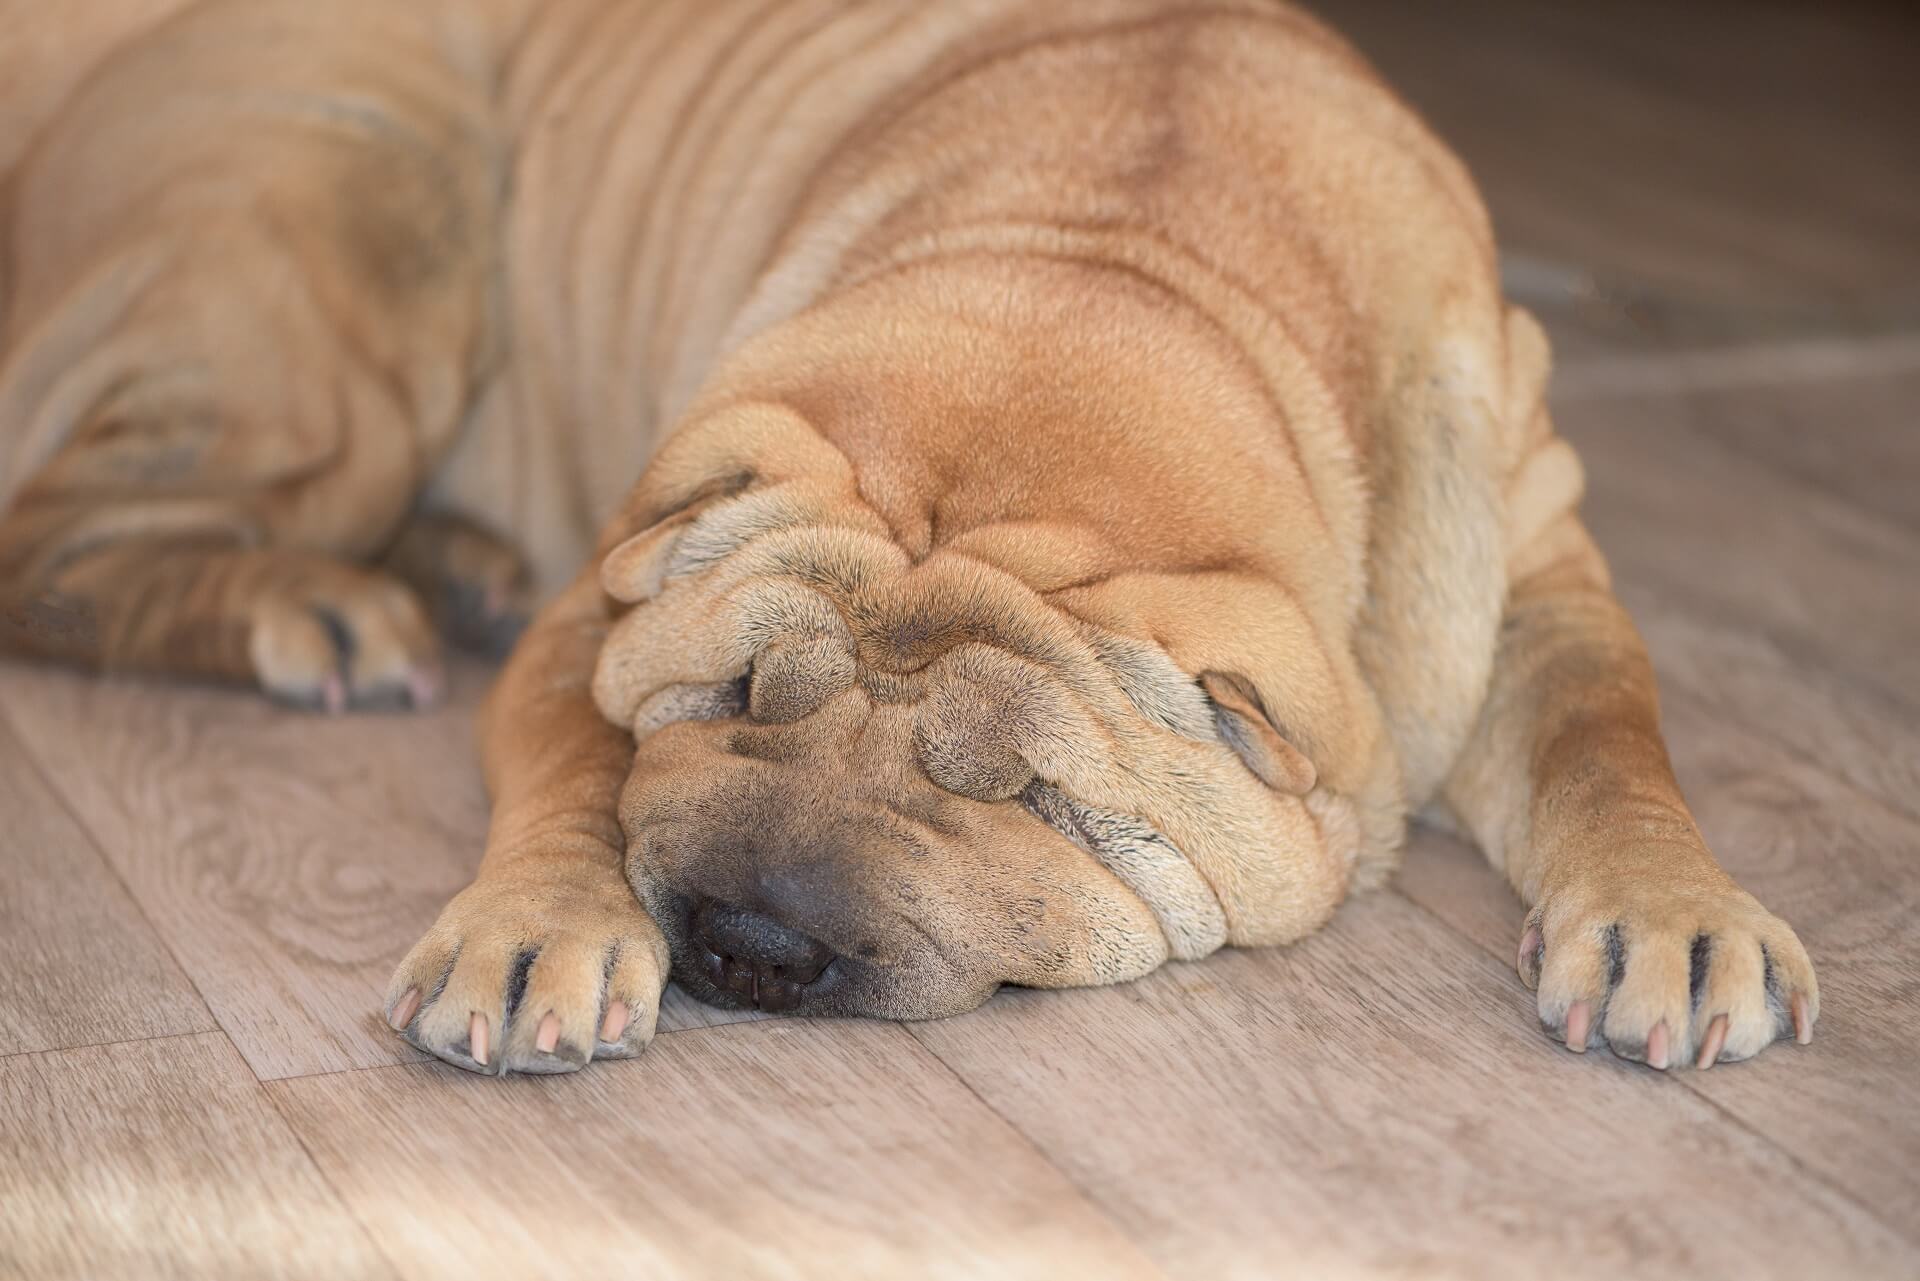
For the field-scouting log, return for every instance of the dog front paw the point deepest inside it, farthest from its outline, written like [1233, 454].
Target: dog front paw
[1667, 972]
[533, 969]
[332, 636]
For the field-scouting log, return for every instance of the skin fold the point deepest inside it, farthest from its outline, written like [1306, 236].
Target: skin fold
[1091, 492]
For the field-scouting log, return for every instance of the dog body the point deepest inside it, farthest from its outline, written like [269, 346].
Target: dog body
[1103, 492]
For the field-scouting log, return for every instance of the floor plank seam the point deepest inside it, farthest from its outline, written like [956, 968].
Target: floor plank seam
[1080, 1190]
[1736, 366]
[1683, 1079]
[66, 803]
[326, 1181]
[126, 1040]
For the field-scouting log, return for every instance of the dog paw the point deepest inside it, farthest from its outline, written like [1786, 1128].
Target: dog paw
[533, 971]
[1667, 976]
[478, 588]
[330, 636]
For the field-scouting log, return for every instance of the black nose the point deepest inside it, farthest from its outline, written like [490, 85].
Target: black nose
[755, 957]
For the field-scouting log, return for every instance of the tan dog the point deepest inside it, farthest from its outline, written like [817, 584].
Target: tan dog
[1106, 494]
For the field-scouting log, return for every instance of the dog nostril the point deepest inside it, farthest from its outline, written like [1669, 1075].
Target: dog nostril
[755, 957]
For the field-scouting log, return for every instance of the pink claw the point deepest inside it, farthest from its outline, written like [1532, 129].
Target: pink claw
[1579, 1019]
[548, 1039]
[1657, 1047]
[1714, 1042]
[615, 1024]
[403, 1012]
[1802, 1019]
[477, 1037]
[424, 686]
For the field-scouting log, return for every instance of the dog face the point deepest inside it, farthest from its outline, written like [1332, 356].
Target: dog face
[868, 784]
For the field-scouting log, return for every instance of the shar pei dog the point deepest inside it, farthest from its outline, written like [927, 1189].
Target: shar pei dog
[998, 492]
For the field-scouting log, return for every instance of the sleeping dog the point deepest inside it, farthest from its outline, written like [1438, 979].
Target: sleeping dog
[1091, 492]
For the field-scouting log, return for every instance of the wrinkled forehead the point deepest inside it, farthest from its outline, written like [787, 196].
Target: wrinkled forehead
[809, 590]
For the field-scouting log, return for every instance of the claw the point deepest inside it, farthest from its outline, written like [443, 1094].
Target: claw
[424, 687]
[477, 1037]
[1802, 1019]
[615, 1023]
[548, 1039]
[402, 1013]
[1579, 1019]
[1527, 962]
[1657, 1047]
[1712, 1043]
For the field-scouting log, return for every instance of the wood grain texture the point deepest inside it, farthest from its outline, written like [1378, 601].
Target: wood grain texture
[1849, 1105]
[78, 963]
[1377, 1101]
[289, 860]
[781, 1149]
[1696, 518]
[161, 1159]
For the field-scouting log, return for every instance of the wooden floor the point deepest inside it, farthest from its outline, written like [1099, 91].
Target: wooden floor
[1717, 209]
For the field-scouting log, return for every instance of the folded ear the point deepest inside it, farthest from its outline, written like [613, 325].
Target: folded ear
[718, 455]
[635, 570]
[1246, 727]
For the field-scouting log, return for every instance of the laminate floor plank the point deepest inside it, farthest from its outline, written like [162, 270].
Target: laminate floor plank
[1679, 504]
[1858, 442]
[779, 1149]
[288, 860]
[1711, 150]
[161, 1159]
[1839, 866]
[1378, 1101]
[78, 963]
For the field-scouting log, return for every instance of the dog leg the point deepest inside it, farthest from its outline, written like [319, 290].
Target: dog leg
[1636, 936]
[547, 960]
[311, 630]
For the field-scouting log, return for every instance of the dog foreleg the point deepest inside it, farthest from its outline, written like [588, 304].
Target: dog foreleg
[1635, 932]
[547, 960]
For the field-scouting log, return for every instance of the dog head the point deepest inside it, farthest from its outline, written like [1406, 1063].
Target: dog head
[873, 783]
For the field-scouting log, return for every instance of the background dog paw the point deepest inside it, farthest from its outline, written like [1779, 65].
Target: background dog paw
[533, 970]
[331, 636]
[477, 586]
[1667, 975]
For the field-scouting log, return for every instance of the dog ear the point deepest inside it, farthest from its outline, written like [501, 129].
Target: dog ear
[634, 569]
[1246, 727]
